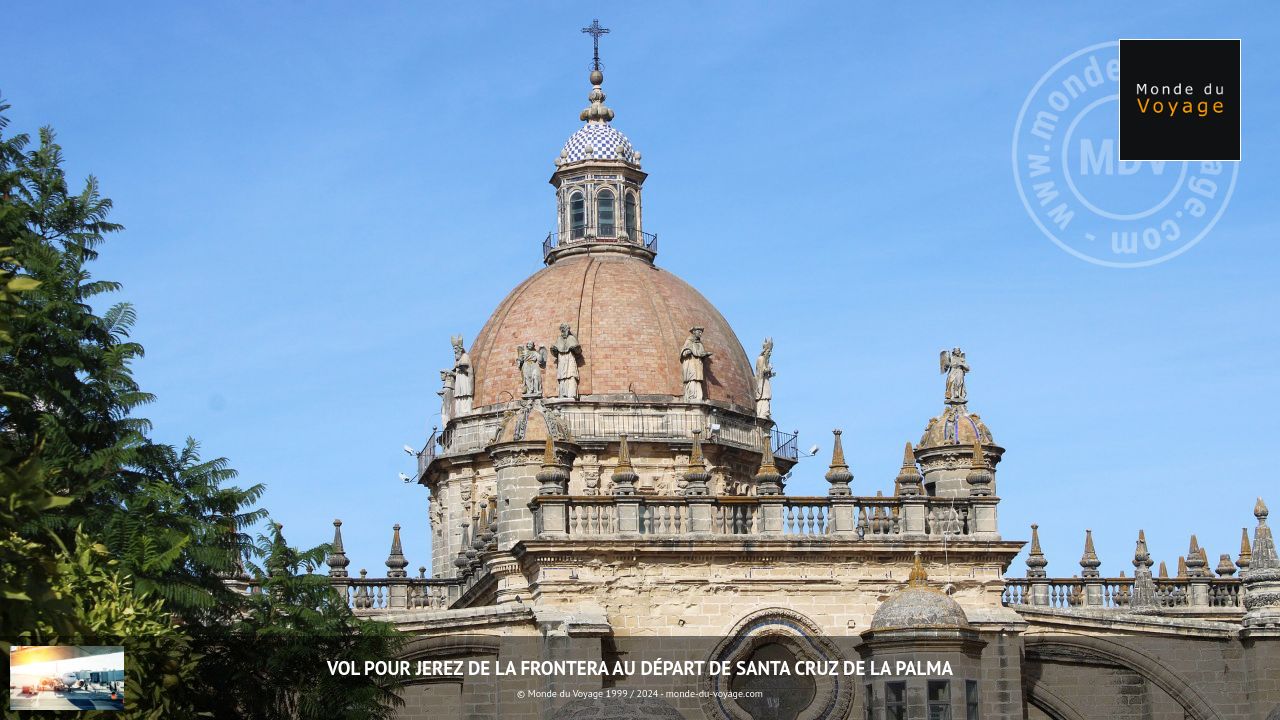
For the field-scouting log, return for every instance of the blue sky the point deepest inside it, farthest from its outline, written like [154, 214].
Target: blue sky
[317, 195]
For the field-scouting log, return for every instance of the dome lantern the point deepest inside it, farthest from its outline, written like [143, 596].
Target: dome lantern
[598, 183]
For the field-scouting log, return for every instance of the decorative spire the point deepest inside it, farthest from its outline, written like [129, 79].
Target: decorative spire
[838, 474]
[1246, 553]
[768, 479]
[337, 559]
[918, 577]
[1264, 547]
[1144, 589]
[979, 476]
[597, 112]
[1164, 571]
[909, 481]
[1196, 563]
[1182, 567]
[395, 561]
[1225, 568]
[460, 561]
[624, 476]
[695, 471]
[552, 478]
[1036, 561]
[1089, 561]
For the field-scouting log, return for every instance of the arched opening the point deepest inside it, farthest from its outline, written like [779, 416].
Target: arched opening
[632, 216]
[577, 216]
[605, 220]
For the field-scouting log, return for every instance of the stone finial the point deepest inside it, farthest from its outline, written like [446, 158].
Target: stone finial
[838, 473]
[1164, 571]
[422, 572]
[624, 476]
[1264, 546]
[1089, 561]
[395, 561]
[1141, 557]
[1036, 561]
[918, 577]
[1246, 553]
[695, 471]
[1143, 596]
[909, 481]
[768, 479]
[461, 561]
[1196, 564]
[337, 560]
[1225, 568]
[552, 479]
[979, 477]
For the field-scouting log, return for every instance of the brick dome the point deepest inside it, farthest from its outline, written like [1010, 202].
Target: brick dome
[631, 319]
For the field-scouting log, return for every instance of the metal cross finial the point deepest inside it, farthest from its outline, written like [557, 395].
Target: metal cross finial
[595, 31]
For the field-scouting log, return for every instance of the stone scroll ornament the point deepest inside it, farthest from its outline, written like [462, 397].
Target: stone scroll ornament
[463, 382]
[566, 350]
[693, 366]
[531, 360]
[764, 380]
[953, 364]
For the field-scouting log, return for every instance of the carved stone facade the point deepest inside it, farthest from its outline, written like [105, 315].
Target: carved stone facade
[624, 496]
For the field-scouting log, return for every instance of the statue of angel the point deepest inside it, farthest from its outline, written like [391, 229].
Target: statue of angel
[764, 380]
[531, 360]
[953, 364]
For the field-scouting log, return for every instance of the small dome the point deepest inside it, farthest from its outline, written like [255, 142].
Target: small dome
[919, 607]
[955, 426]
[598, 141]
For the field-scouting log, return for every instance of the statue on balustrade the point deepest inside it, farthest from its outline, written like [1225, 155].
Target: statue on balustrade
[447, 379]
[531, 360]
[764, 380]
[463, 383]
[693, 360]
[953, 364]
[565, 351]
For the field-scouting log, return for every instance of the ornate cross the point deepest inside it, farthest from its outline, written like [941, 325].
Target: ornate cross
[595, 31]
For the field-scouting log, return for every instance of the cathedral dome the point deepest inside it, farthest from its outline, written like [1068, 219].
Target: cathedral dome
[955, 426]
[631, 318]
[598, 141]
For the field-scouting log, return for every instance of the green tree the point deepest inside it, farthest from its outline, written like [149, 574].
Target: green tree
[106, 535]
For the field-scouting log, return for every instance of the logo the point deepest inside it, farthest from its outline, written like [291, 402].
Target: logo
[1083, 197]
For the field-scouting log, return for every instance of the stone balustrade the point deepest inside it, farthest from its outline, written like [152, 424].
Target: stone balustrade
[372, 595]
[1117, 593]
[862, 518]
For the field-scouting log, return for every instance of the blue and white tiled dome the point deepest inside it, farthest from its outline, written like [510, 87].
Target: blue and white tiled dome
[598, 141]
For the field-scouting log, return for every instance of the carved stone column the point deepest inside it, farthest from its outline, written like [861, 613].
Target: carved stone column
[769, 487]
[1198, 576]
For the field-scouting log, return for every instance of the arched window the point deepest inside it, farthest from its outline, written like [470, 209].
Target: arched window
[577, 216]
[605, 214]
[632, 217]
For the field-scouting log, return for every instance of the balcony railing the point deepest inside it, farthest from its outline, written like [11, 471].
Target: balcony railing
[365, 594]
[1117, 593]
[617, 234]
[858, 518]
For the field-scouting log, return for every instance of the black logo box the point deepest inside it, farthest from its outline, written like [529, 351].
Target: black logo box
[1186, 69]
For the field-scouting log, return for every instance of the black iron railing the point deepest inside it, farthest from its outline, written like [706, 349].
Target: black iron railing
[616, 234]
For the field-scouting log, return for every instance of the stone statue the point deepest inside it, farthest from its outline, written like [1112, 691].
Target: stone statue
[463, 383]
[952, 363]
[531, 360]
[446, 397]
[693, 359]
[764, 380]
[566, 350]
